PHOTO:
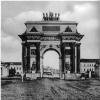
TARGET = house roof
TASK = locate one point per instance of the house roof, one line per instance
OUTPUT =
(89, 60)
(12, 63)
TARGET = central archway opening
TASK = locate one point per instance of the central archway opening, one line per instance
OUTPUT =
(51, 64)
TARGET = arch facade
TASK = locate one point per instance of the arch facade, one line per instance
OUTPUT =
(41, 36)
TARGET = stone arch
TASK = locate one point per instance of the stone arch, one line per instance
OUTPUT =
(52, 50)
(45, 49)
(48, 47)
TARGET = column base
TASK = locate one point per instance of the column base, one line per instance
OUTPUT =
(62, 76)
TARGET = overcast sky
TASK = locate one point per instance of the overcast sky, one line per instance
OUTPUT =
(14, 14)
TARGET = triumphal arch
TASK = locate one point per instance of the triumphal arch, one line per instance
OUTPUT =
(51, 34)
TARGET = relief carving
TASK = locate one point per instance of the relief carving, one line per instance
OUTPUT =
(58, 46)
(42, 47)
(33, 37)
(50, 38)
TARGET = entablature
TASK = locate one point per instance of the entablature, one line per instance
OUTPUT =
(53, 37)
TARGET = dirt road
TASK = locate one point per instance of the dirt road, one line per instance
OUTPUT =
(51, 89)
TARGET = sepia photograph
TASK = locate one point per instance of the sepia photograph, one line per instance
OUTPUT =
(50, 50)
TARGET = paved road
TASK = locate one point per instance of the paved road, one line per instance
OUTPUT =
(51, 89)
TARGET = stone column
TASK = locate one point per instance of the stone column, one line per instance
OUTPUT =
(28, 58)
(38, 57)
(75, 59)
(78, 57)
(23, 57)
(63, 57)
(41, 66)
(72, 58)
(62, 61)
(60, 67)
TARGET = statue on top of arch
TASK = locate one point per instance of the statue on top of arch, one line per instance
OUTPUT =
(51, 16)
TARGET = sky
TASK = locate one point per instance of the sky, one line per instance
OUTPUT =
(51, 59)
(15, 13)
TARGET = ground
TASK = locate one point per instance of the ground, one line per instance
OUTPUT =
(50, 89)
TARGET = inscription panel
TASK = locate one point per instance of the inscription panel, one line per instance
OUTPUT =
(51, 28)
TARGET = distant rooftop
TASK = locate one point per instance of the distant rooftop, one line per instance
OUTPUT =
(12, 63)
(89, 60)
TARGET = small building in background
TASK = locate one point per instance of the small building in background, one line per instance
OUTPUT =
(17, 66)
(87, 65)
(4, 69)
(97, 69)
(8, 67)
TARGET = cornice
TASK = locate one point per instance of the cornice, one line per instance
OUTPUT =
(51, 22)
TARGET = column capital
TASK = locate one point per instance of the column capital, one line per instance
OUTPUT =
(78, 44)
(22, 43)
(72, 44)
(37, 44)
(60, 57)
(41, 57)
